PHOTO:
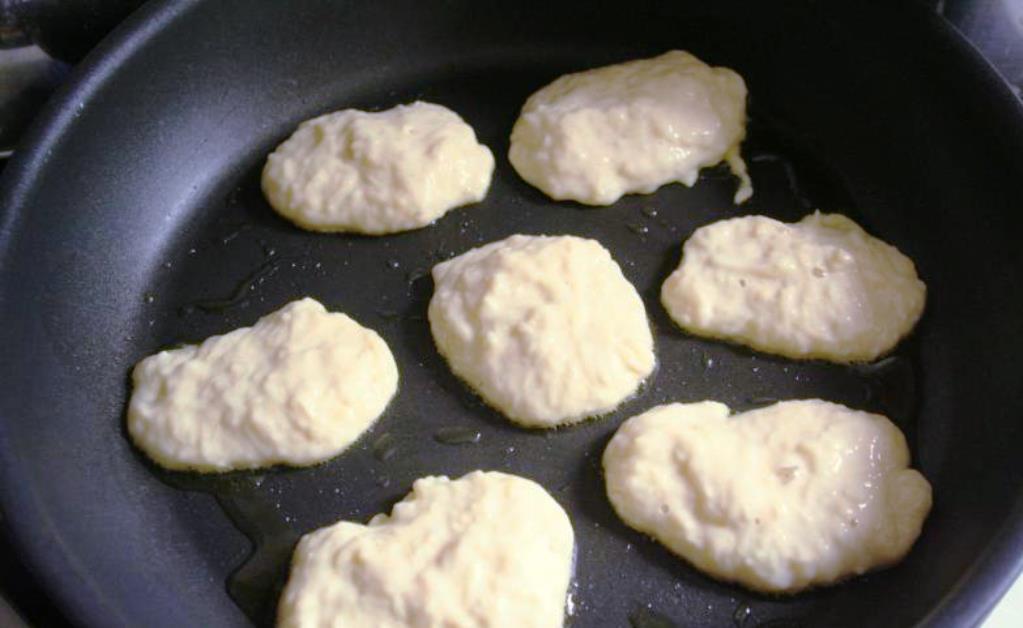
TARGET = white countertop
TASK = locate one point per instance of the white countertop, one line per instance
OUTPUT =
(1009, 611)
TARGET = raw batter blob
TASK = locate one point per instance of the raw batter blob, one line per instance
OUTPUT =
(488, 550)
(818, 288)
(545, 328)
(631, 128)
(296, 388)
(796, 494)
(378, 172)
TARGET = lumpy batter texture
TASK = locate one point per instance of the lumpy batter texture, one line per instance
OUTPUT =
(796, 494)
(489, 550)
(818, 288)
(296, 388)
(377, 172)
(594, 136)
(545, 328)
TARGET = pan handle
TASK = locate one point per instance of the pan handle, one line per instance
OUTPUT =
(12, 33)
(65, 29)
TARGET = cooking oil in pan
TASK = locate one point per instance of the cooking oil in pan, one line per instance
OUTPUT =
(257, 583)
(457, 436)
(242, 291)
(646, 618)
(385, 447)
(741, 614)
(890, 386)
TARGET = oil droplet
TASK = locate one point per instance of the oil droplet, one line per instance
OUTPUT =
(646, 618)
(741, 614)
(638, 229)
(708, 362)
(384, 447)
(149, 298)
(457, 436)
(649, 211)
(234, 234)
(416, 274)
(393, 264)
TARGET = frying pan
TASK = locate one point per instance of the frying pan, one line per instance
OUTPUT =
(133, 220)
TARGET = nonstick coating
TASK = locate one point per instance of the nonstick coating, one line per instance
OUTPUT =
(133, 220)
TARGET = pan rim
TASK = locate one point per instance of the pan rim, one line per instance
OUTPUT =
(62, 577)
(69, 584)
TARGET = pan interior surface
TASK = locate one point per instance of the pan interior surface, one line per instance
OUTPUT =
(136, 222)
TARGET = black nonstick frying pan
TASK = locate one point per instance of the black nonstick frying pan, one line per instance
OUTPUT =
(133, 220)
